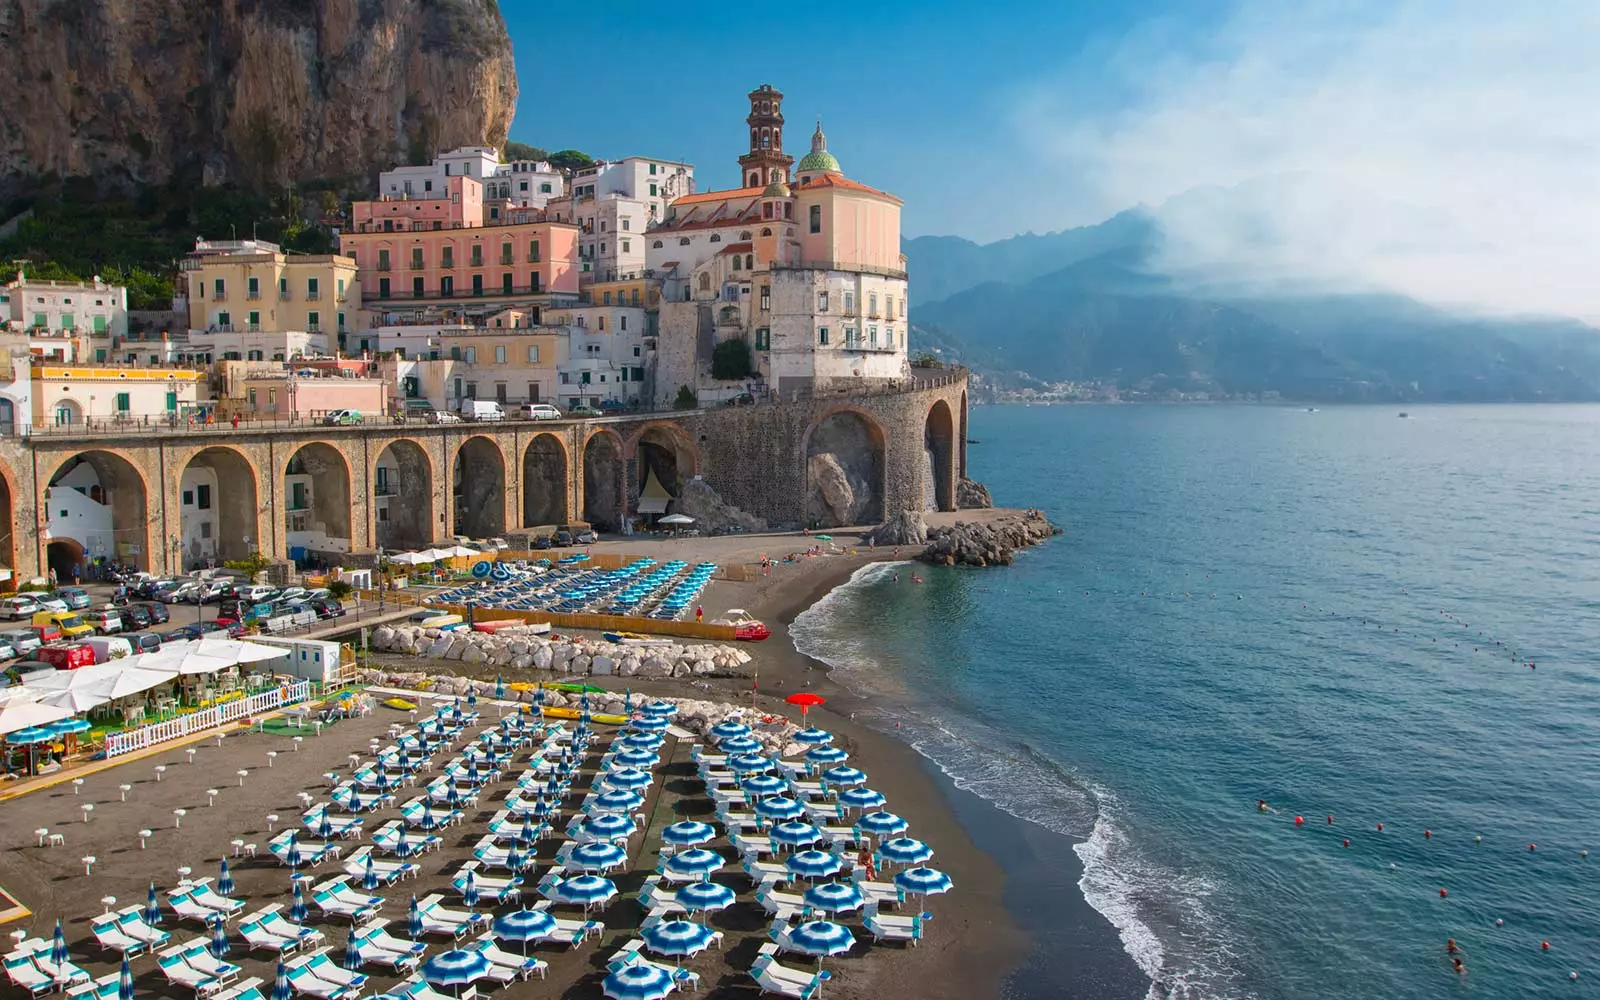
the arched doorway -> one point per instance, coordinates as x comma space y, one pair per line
938, 470
602, 481
403, 497
217, 509
544, 482
8, 530
845, 469
97, 507
66, 413
667, 452
316, 504
479, 489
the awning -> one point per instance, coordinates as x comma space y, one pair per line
653, 499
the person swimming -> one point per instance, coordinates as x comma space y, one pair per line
1451, 948
1460, 966
1261, 806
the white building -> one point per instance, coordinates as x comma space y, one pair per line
525, 184
428, 181
654, 182
81, 512
66, 308
606, 355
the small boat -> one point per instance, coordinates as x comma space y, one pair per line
745, 627
634, 639
1404, 415
529, 628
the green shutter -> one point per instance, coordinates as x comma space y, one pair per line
124, 404
172, 402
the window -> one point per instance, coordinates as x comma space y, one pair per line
255, 321
188, 499
656, 245
627, 246
533, 354
600, 323
716, 237
822, 302
253, 288
472, 390
816, 218
202, 496
533, 392
766, 232
888, 306
283, 288
636, 351
313, 289
313, 321
605, 298
225, 320
499, 392
340, 288
533, 282
447, 286
763, 338
123, 403
458, 386
507, 283
749, 262
652, 190
500, 354
736, 262
822, 336
766, 298
416, 258
652, 170
507, 252
602, 225
623, 321
602, 248
544, 189
472, 357
849, 303
220, 289
533, 251
449, 257
683, 241
341, 328
584, 378
41, 320
383, 260
383, 288
477, 255
872, 304
477, 284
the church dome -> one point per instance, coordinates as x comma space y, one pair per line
777, 189
819, 160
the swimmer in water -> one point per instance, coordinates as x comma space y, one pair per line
1451, 947
1460, 967
1261, 806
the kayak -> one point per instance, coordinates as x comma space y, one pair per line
401, 704
573, 713
575, 688
634, 639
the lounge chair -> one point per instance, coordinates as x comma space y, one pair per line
131, 922
375, 944
764, 871
257, 936
437, 919
248, 989
113, 938
418, 812
726, 798
782, 905
632, 953
202, 893
329, 971
201, 960
181, 973
342, 890
572, 932
418, 989
388, 872
804, 790
66, 974
333, 906
23, 973
821, 812
395, 839
345, 797
182, 902
738, 820
345, 827
657, 900
892, 927
492, 856
502, 890
523, 966
275, 923
746, 844
876, 893
305, 981
782, 980
107, 987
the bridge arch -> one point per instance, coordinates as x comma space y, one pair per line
317, 519
9, 524
478, 485
938, 445
217, 493
96, 504
961, 471
402, 495
545, 466
846, 456
603, 469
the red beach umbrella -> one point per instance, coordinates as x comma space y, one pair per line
805, 699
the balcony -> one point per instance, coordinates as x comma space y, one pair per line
284, 295
417, 265
253, 295
313, 296
385, 490
506, 260
383, 265
448, 263
874, 314
867, 347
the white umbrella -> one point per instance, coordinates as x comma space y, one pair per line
677, 519
461, 550
411, 558
18, 715
75, 701
438, 554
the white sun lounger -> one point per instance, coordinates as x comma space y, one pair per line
526, 967
738, 820
202, 893
305, 981
388, 872
333, 906
342, 890
339, 826
782, 980
437, 919
781, 905
24, 974
803, 790
747, 844
181, 973
492, 856
632, 953
329, 971
418, 989
113, 938
818, 812
877, 893
657, 900
764, 871
66, 974
247, 989
201, 960
257, 936
892, 927
573, 932
375, 944
131, 922
105, 988
502, 890
183, 903
275, 923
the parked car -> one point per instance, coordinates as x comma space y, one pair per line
70, 625
586, 537
541, 542
184, 593
538, 411
442, 417
47, 632
743, 399
7, 651
159, 615
145, 642
613, 406
104, 622
317, 594
327, 608
109, 647
179, 635
563, 538
24, 641
50, 602
339, 418
19, 608
582, 411
76, 597
291, 594
256, 593
136, 617
481, 409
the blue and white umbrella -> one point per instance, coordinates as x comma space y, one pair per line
844, 777
324, 829
414, 919
473, 775
514, 859
620, 800
642, 741
649, 723
524, 926
58, 946
125, 980
881, 824
627, 778
224, 879
677, 938
219, 937
904, 851
369, 877
813, 736
281, 989
740, 744
455, 969
528, 835
795, 833
700, 896
596, 855
861, 798
814, 864
819, 938
152, 908
499, 687
639, 982
469, 890
760, 785
749, 763
729, 730
452, 795
779, 807
644, 760
291, 854
697, 862
581, 890
665, 709
355, 801
923, 881
352, 950
688, 833
835, 897
826, 755
297, 908
608, 826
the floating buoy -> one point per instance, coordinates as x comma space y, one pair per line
1544, 945
1380, 827
1583, 853
1347, 843
1427, 834
1477, 840
1533, 847
1500, 922
1330, 819
1572, 975
1443, 893
1299, 821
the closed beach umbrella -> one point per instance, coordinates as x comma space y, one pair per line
369, 878
814, 864
819, 938
324, 828
452, 795
620, 800
881, 824
696, 862
844, 777
355, 801
813, 736
499, 687
835, 897
688, 833
297, 908
514, 860
219, 937
904, 851
469, 890
585, 857
642, 741
524, 926
676, 938
641, 759
627, 778
472, 697
749, 763
740, 744
826, 755
608, 826
665, 709
527, 835
152, 908
582, 890
779, 807
639, 982
699, 896
383, 780
649, 723
414, 919
472, 770
281, 990
795, 833
729, 730
125, 980
291, 854
760, 785
58, 946
452, 970
861, 798
352, 950
923, 881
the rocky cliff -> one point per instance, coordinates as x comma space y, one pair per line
258, 92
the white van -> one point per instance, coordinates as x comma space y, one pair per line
482, 409
538, 411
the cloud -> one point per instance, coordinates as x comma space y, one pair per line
1446, 149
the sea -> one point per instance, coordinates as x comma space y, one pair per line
1383, 626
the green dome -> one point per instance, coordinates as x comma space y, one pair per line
777, 189
819, 162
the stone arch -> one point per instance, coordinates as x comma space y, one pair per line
961, 469
478, 485
603, 469
846, 455
66, 412
938, 470
99, 501
316, 498
217, 508
402, 496
668, 450
9, 525
544, 481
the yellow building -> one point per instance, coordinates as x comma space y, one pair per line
78, 394
253, 287
642, 292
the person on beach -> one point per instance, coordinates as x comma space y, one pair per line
864, 862
699, 613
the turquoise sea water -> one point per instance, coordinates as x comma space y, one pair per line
1315, 609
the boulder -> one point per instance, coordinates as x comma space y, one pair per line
629, 666
681, 668
602, 665
655, 666
458, 648
580, 663
474, 654
704, 667
542, 658
438, 647
904, 528
972, 495
383, 637
522, 662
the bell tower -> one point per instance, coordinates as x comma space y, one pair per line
766, 162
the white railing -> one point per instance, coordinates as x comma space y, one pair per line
209, 718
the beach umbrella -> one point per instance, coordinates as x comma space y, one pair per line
649, 723
281, 990
608, 826
58, 946
414, 919
676, 938
469, 890
524, 926
861, 798
881, 824
472, 697
806, 700
383, 780
152, 908
904, 851
814, 864
352, 950
835, 897
499, 687
688, 833
729, 730
643, 760
740, 745
844, 777
819, 938
219, 937
923, 881
749, 763
697, 862
665, 709
642, 741
581, 890
452, 795
616, 801
472, 770
760, 785
779, 807
628, 777
224, 879
355, 801
596, 855
125, 980
826, 755
454, 969
813, 736
291, 854
297, 908
324, 828
795, 834
639, 982
64, 727
369, 878
699, 896
514, 862
32, 734
527, 835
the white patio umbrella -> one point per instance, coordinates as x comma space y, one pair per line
18, 715
411, 558
677, 519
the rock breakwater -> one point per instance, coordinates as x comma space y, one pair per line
985, 543
524, 650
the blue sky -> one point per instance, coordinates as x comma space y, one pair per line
928, 100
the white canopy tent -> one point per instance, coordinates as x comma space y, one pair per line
412, 558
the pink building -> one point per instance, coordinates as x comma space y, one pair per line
458, 206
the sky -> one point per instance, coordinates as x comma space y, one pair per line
1445, 149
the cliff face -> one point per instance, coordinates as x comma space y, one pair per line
256, 92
